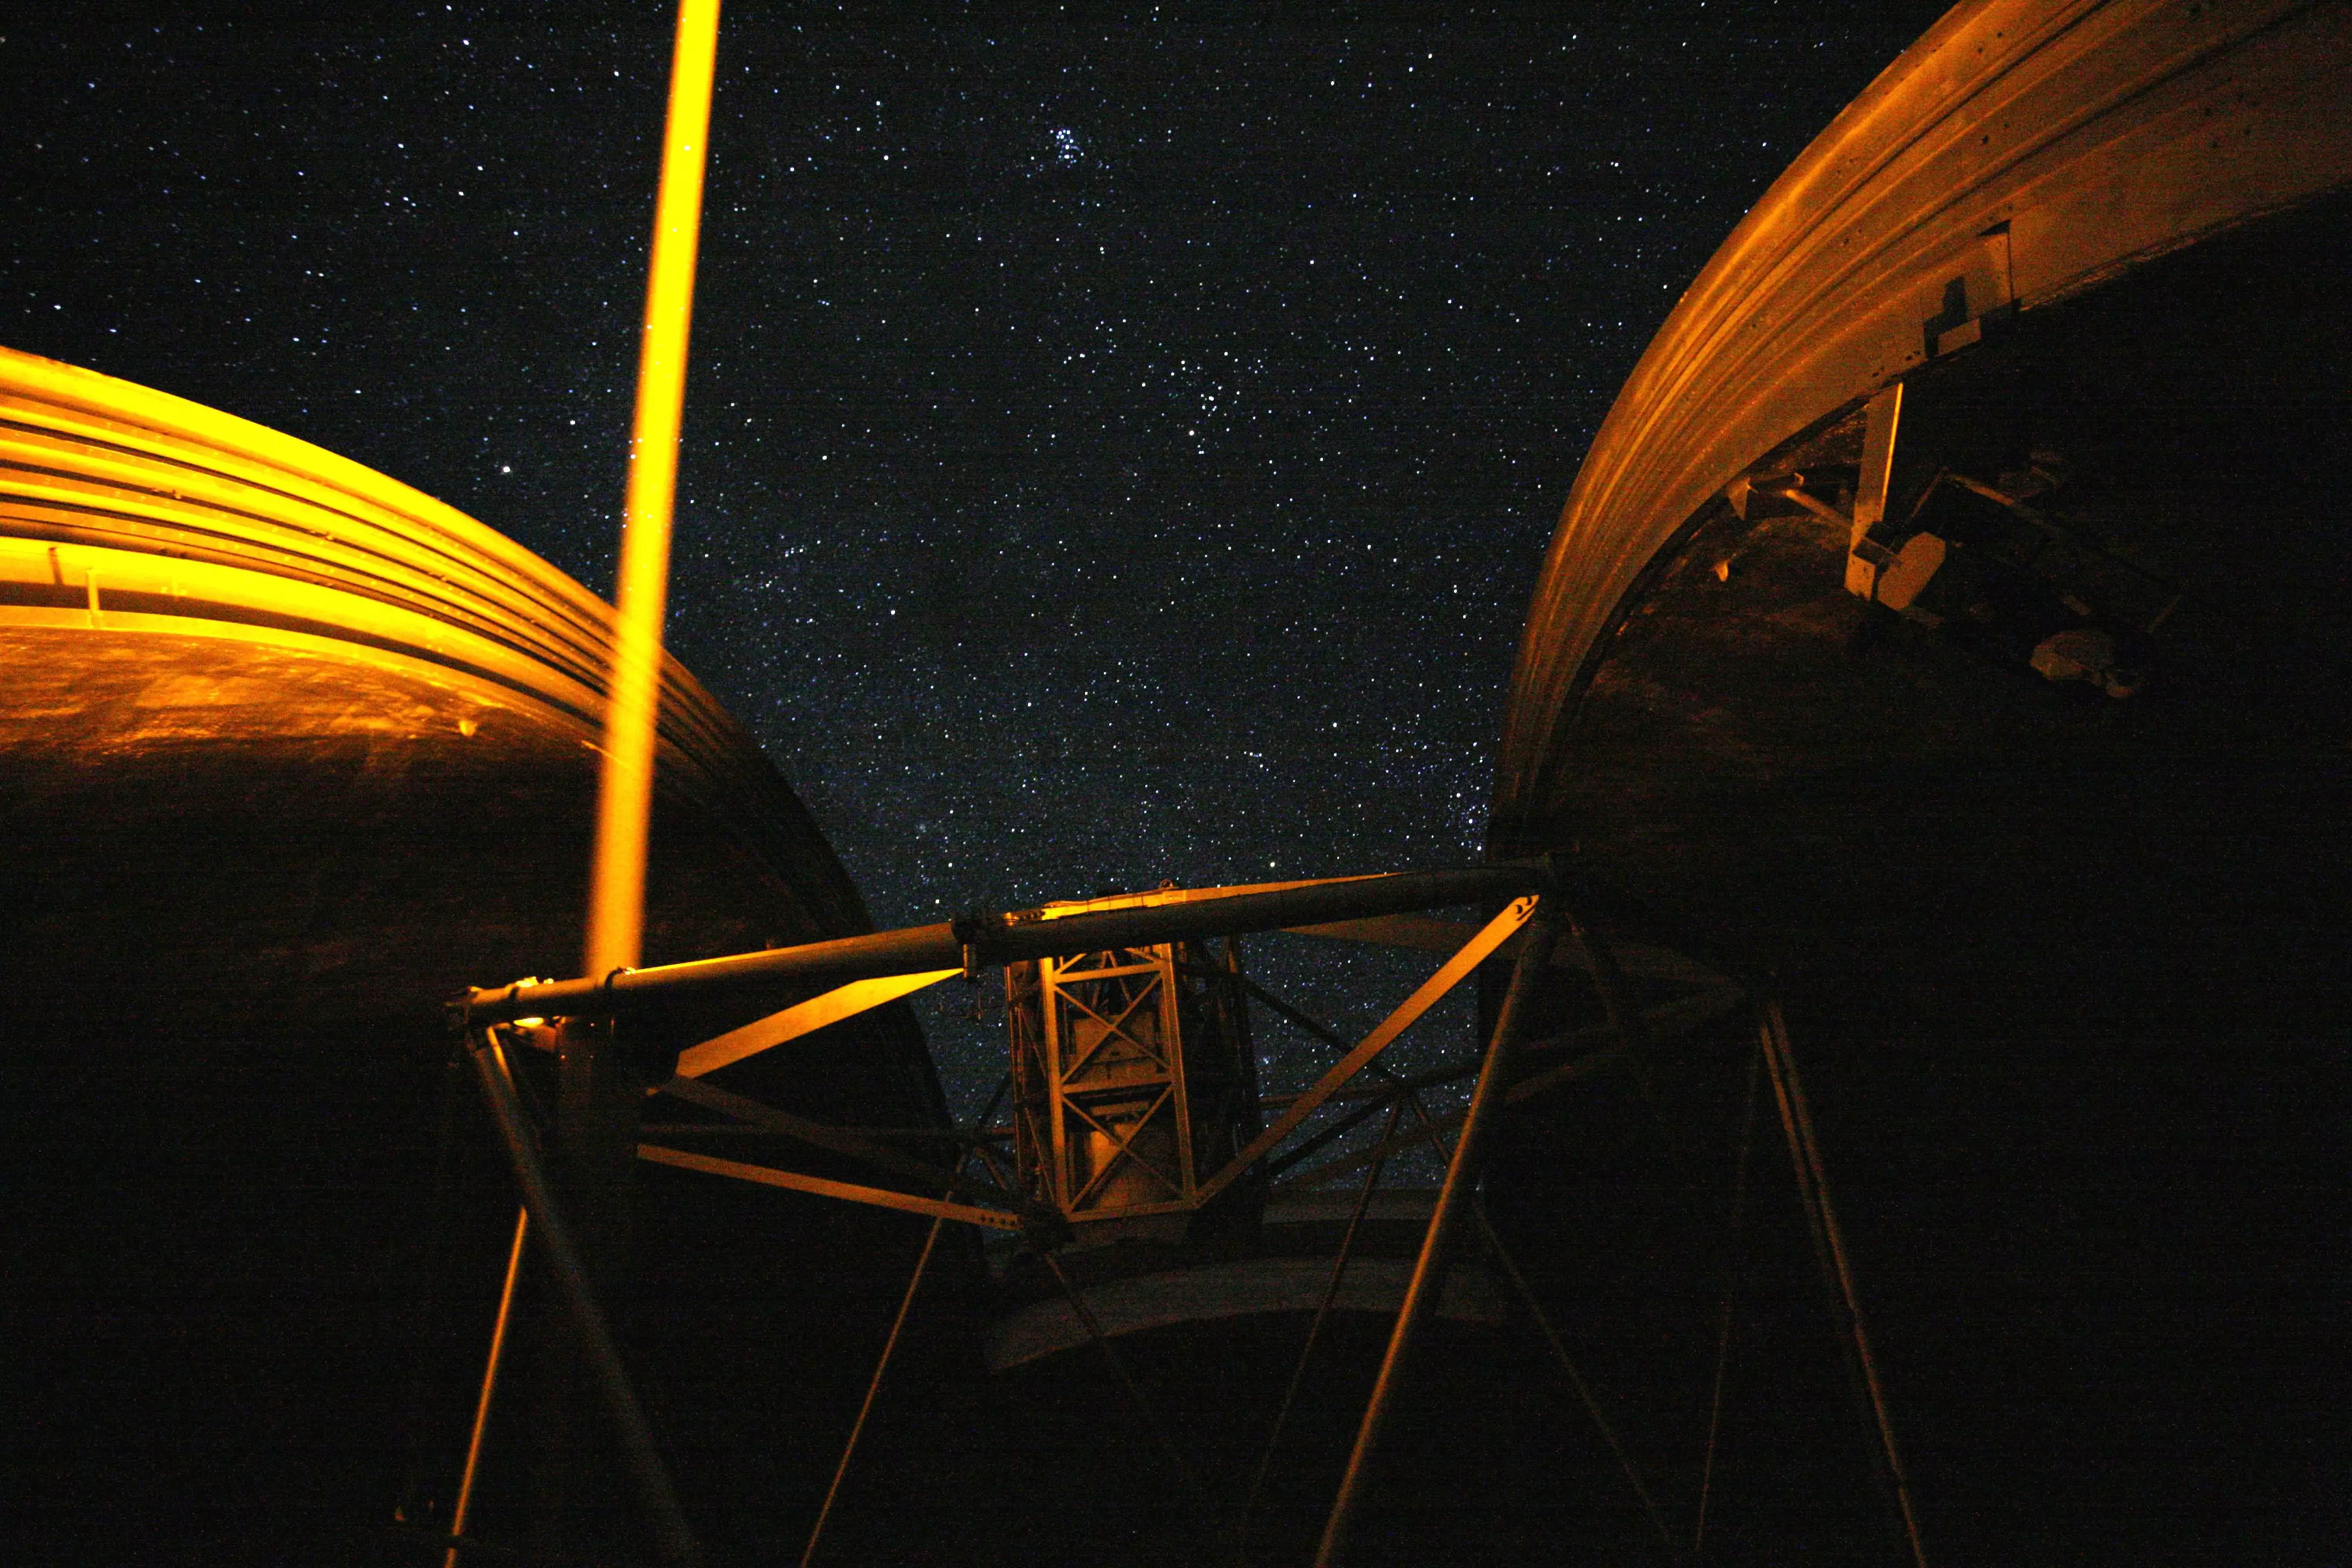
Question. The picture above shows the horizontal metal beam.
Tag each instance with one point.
(805, 1018)
(840, 1140)
(793, 1181)
(942, 1135)
(1006, 939)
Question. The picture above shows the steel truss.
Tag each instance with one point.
(1134, 1094)
(1132, 1072)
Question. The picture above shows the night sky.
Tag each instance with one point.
(1119, 445)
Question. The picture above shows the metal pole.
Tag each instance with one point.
(597, 1123)
(857, 1427)
(490, 1386)
(1542, 1320)
(646, 1471)
(906, 1303)
(1828, 1244)
(1419, 1292)
(1002, 939)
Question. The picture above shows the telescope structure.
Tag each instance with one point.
(1905, 1101)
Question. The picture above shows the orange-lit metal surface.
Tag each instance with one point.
(175, 578)
(290, 754)
(1132, 1075)
(794, 1181)
(2022, 151)
(129, 510)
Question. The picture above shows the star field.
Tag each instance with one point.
(1119, 445)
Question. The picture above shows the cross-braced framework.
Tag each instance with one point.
(1136, 1094)
(1132, 1074)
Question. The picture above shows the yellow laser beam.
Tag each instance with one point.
(617, 895)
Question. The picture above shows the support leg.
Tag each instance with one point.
(1543, 1322)
(646, 1471)
(490, 1386)
(588, 1147)
(1829, 1247)
(1631, 1026)
(1421, 1291)
(1143, 1411)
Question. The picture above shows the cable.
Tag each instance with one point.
(1314, 1331)
(1575, 1377)
(1118, 1364)
(426, 1302)
(1731, 1275)
(857, 1428)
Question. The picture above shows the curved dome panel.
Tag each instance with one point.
(1946, 633)
(289, 755)
(2020, 152)
(199, 612)
(129, 513)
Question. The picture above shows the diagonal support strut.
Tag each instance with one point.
(1475, 952)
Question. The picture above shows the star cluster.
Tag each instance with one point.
(1121, 444)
